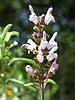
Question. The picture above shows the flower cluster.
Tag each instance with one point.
(44, 51)
(36, 20)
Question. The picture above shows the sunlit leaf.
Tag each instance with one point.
(9, 34)
(6, 29)
(14, 80)
(50, 81)
(54, 89)
(30, 61)
(28, 85)
(31, 84)
(31, 88)
(1, 38)
(0, 54)
(15, 43)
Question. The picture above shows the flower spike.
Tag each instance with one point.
(44, 51)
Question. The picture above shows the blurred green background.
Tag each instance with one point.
(17, 13)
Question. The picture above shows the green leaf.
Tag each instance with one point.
(31, 88)
(28, 85)
(0, 54)
(50, 81)
(31, 84)
(30, 61)
(14, 80)
(15, 43)
(9, 34)
(6, 29)
(54, 89)
(1, 38)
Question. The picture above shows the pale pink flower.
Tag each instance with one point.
(33, 17)
(31, 46)
(44, 42)
(52, 43)
(40, 57)
(44, 36)
(49, 17)
(30, 70)
(51, 56)
(53, 67)
(53, 49)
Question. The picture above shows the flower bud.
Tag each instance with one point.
(32, 72)
(53, 68)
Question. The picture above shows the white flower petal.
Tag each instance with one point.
(31, 9)
(40, 57)
(53, 37)
(30, 41)
(52, 18)
(44, 35)
(44, 42)
(28, 52)
(53, 49)
(53, 67)
(52, 43)
(49, 17)
(43, 45)
(33, 18)
(49, 11)
(31, 46)
(23, 45)
(52, 56)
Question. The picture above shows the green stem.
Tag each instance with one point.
(2, 52)
(42, 85)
